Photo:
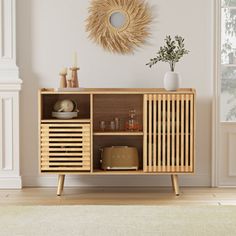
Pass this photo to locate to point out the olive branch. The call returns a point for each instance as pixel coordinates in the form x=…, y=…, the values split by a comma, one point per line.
x=171, y=52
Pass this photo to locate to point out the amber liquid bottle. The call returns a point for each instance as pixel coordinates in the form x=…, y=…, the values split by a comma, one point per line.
x=132, y=123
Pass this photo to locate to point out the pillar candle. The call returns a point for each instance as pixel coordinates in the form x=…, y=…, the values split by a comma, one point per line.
x=75, y=59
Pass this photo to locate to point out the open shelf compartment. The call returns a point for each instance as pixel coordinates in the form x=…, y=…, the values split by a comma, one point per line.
x=108, y=141
x=48, y=101
x=106, y=107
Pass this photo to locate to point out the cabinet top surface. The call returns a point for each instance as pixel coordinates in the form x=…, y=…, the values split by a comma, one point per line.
x=113, y=91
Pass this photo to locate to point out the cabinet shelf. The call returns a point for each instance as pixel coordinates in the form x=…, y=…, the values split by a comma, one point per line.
x=65, y=120
x=185, y=171
x=118, y=133
x=118, y=172
x=170, y=134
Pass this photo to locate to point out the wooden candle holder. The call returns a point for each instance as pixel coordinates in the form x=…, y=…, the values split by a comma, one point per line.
x=74, y=77
x=63, y=83
x=69, y=83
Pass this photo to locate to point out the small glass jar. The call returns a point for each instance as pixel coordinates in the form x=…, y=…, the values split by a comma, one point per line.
x=102, y=125
x=112, y=125
x=117, y=123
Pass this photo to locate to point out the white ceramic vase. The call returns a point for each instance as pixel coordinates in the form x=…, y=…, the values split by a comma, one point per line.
x=171, y=81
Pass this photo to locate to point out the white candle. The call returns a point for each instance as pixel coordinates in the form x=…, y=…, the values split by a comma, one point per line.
x=75, y=59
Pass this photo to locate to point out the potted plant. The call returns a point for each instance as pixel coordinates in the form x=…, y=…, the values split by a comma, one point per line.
x=171, y=52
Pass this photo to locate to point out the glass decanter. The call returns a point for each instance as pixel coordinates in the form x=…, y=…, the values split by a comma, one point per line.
x=132, y=124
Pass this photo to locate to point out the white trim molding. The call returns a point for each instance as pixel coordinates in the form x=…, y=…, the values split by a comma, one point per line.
x=216, y=76
x=227, y=158
x=231, y=154
x=223, y=133
x=10, y=86
x=8, y=68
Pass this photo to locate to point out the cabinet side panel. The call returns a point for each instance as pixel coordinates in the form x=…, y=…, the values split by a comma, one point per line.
x=91, y=131
x=39, y=129
x=191, y=131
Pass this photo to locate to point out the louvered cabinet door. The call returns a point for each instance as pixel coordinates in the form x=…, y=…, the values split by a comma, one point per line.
x=168, y=145
x=65, y=147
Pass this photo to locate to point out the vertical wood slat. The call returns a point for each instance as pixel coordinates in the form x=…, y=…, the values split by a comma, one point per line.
x=150, y=135
x=168, y=133
x=177, y=132
x=91, y=132
x=145, y=99
x=173, y=133
x=186, y=132
x=191, y=132
x=159, y=132
x=163, y=157
x=154, y=133
x=182, y=133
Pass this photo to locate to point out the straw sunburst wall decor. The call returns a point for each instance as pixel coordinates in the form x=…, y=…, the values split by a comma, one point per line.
x=119, y=26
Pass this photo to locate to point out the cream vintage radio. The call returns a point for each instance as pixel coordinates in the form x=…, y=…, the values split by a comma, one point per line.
x=119, y=158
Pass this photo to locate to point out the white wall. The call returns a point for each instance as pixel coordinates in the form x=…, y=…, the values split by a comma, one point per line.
x=49, y=31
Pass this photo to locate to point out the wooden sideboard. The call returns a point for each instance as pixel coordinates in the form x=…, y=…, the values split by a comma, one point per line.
x=165, y=141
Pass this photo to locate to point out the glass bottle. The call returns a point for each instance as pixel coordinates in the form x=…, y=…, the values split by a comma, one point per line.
x=132, y=123
x=117, y=124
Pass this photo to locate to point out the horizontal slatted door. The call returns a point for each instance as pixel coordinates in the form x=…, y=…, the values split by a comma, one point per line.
x=169, y=133
x=65, y=147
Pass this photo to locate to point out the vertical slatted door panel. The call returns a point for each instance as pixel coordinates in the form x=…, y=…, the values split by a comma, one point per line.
x=65, y=147
x=169, y=133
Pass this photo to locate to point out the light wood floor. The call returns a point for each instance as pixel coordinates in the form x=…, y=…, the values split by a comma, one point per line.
x=119, y=196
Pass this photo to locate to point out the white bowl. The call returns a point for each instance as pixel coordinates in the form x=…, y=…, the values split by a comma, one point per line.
x=65, y=115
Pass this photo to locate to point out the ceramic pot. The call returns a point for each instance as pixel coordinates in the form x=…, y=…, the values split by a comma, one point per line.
x=171, y=81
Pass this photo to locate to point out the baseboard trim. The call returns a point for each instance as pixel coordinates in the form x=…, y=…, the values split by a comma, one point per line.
x=10, y=182
x=116, y=181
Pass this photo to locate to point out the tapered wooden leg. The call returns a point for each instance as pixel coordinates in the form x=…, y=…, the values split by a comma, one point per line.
x=60, y=185
x=172, y=181
x=175, y=184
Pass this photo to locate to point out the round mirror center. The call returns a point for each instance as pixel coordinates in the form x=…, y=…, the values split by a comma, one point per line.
x=118, y=19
